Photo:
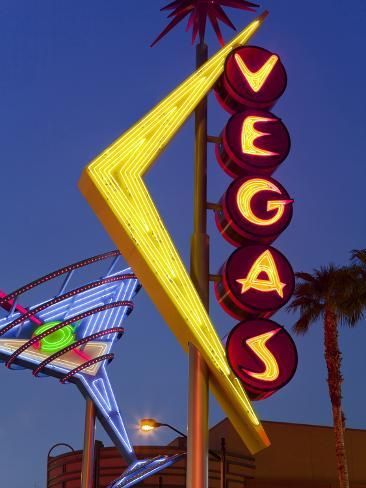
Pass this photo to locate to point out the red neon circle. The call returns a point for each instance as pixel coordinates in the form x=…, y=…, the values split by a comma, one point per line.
x=238, y=291
x=241, y=221
x=253, y=142
x=262, y=355
x=246, y=81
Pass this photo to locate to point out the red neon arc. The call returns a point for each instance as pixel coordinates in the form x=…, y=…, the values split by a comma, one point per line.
x=83, y=366
x=61, y=298
x=72, y=347
x=69, y=321
x=55, y=274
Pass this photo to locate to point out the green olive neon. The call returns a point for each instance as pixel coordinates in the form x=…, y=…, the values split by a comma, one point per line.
x=57, y=340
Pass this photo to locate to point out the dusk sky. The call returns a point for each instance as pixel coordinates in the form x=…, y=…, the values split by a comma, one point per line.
x=75, y=74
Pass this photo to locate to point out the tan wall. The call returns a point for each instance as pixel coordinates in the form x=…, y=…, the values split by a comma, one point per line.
x=299, y=453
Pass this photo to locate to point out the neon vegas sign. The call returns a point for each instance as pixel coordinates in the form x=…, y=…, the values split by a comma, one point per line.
x=257, y=279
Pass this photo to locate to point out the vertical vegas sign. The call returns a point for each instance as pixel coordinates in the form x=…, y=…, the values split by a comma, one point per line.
x=257, y=279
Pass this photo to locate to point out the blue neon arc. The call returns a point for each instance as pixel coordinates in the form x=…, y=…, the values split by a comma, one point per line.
x=98, y=307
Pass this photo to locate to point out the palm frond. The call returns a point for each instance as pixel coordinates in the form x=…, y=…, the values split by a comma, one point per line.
x=359, y=255
x=308, y=317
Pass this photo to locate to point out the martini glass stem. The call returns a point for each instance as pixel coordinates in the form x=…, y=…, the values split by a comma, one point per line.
x=87, y=472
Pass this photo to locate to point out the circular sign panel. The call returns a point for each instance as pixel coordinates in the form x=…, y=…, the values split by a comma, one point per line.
x=254, y=209
x=253, y=77
x=253, y=142
x=262, y=355
x=255, y=281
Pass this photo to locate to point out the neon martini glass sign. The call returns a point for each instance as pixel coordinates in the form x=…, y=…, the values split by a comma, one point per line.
x=71, y=337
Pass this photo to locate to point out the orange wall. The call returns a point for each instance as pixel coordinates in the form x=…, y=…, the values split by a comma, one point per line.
x=299, y=452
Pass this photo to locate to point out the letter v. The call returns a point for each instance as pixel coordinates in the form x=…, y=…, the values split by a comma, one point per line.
x=256, y=79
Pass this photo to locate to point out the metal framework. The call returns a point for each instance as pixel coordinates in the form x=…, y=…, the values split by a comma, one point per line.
x=70, y=337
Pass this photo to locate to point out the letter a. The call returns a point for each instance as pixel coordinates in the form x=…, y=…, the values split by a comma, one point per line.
x=264, y=264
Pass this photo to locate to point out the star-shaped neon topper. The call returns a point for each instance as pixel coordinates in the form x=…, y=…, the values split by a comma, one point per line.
x=199, y=11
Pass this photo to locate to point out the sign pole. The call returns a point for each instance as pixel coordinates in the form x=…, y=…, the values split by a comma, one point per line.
x=197, y=447
x=87, y=471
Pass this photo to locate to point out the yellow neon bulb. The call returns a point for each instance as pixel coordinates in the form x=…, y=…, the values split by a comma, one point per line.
x=249, y=134
x=256, y=79
x=113, y=185
x=259, y=346
x=264, y=264
x=249, y=190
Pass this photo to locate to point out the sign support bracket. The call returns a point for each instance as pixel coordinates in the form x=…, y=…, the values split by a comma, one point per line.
x=198, y=397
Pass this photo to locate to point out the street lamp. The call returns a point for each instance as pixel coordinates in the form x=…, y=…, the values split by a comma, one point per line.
x=148, y=425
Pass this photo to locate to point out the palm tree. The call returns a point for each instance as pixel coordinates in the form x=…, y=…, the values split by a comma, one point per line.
x=359, y=256
x=336, y=295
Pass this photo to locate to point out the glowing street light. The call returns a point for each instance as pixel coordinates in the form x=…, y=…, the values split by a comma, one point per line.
x=148, y=425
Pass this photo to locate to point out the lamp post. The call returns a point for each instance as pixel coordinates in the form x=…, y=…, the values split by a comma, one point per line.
x=148, y=425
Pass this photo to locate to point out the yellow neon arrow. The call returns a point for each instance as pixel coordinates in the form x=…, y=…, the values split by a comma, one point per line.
x=114, y=187
x=259, y=346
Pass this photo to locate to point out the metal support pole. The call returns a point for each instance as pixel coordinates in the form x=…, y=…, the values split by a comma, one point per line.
x=197, y=446
x=87, y=471
x=223, y=464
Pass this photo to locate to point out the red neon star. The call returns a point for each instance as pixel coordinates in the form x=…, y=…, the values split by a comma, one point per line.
x=199, y=11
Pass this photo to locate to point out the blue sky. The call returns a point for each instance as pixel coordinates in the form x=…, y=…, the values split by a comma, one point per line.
x=74, y=76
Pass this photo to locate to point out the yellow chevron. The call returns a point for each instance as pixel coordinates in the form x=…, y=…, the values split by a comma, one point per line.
x=113, y=185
